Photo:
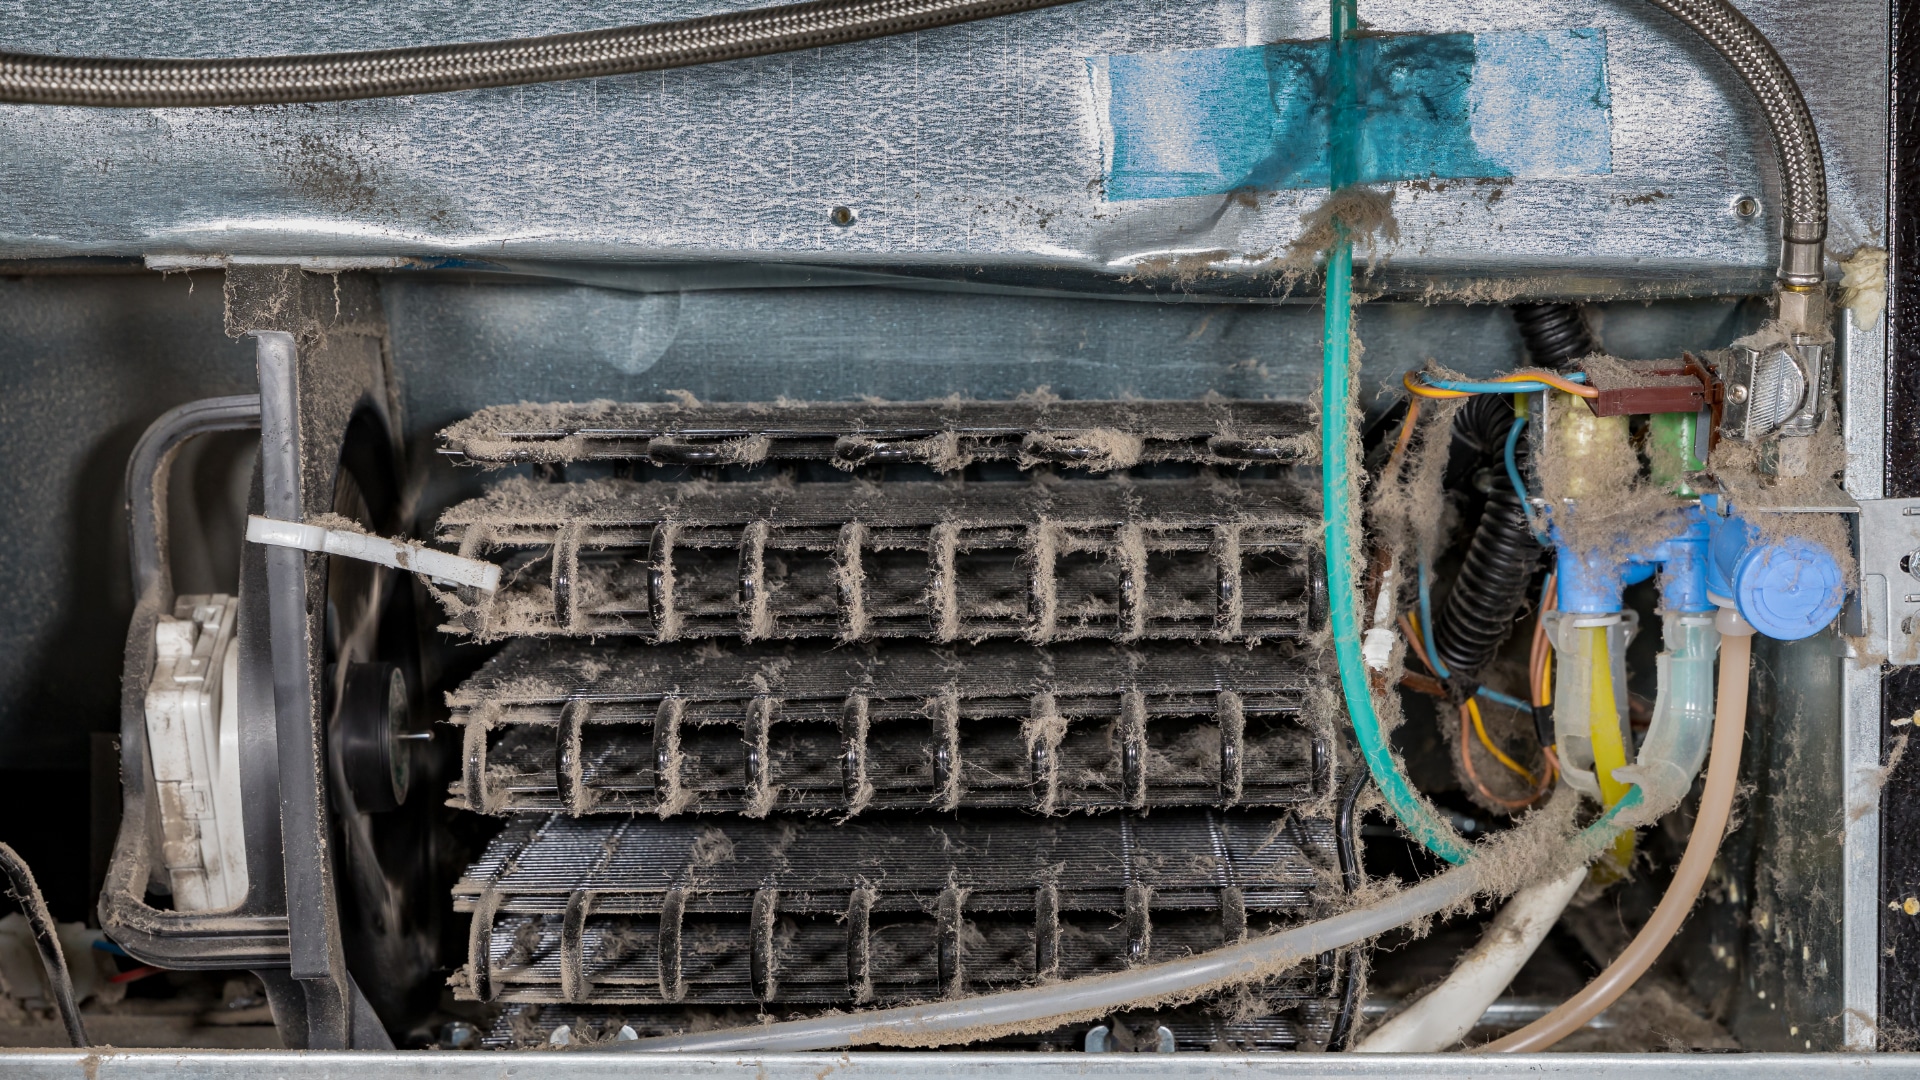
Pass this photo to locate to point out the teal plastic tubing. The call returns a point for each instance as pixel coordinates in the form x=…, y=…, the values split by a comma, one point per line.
x=1336, y=480
x=1414, y=813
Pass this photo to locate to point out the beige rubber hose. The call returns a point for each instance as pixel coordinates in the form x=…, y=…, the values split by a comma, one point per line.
x=1716, y=805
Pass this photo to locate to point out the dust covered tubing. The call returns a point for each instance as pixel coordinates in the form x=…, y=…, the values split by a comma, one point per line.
x=28, y=78
x=35, y=79
x=1041, y=1008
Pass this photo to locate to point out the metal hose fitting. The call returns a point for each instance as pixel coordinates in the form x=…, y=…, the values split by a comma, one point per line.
x=32, y=79
x=1803, y=171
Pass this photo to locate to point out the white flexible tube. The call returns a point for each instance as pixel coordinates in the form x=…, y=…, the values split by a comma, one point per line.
x=443, y=567
x=1447, y=1012
x=1043, y=1008
x=1709, y=828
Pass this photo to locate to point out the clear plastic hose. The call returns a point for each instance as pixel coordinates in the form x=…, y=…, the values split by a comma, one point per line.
x=1716, y=806
x=1043, y=1008
x=1682, y=723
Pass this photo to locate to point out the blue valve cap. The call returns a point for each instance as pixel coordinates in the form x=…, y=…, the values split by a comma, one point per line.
x=1790, y=589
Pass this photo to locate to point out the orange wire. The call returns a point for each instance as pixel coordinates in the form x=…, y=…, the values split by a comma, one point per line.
x=1542, y=649
x=1419, y=388
x=1413, y=642
x=1486, y=740
x=1406, y=435
x=1466, y=762
x=1555, y=381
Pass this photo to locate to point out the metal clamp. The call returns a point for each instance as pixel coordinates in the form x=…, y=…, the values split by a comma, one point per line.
x=1890, y=578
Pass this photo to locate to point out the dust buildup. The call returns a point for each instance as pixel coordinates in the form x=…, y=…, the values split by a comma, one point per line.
x=1655, y=1015
x=1538, y=847
x=1409, y=505
x=621, y=940
x=1043, y=730
x=1095, y=449
x=711, y=848
x=1367, y=215
x=1590, y=476
x=1753, y=492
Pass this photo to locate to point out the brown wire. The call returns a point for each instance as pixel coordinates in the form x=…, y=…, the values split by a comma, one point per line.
x=1547, y=775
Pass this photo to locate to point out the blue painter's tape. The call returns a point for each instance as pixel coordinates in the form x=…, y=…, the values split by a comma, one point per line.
x=1212, y=121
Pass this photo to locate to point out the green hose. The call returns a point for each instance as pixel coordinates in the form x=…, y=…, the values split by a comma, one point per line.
x=1413, y=812
x=1336, y=495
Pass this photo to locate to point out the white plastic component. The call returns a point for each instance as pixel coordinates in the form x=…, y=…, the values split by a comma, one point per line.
x=23, y=977
x=1376, y=648
x=193, y=741
x=1376, y=645
x=439, y=566
x=1448, y=1011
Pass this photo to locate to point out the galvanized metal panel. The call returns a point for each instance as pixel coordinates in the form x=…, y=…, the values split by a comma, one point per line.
x=966, y=151
x=221, y=1065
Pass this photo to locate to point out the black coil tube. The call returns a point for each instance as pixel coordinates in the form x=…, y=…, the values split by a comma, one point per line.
x=1478, y=614
x=1555, y=333
x=24, y=890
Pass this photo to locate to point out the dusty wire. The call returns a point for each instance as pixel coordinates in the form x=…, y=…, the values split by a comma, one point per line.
x=46, y=936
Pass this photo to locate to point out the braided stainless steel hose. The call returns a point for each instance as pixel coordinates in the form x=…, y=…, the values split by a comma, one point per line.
x=1803, y=171
x=28, y=78
x=33, y=79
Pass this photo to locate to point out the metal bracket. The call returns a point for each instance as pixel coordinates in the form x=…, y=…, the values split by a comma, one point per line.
x=1890, y=578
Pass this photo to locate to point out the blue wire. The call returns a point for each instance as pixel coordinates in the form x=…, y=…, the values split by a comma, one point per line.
x=1519, y=485
x=105, y=946
x=1426, y=626
x=1500, y=387
x=1433, y=654
x=1508, y=700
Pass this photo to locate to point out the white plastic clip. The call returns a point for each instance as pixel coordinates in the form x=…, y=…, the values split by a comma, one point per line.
x=439, y=566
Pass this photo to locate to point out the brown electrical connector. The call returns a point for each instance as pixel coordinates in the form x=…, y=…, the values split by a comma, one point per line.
x=1716, y=395
x=1637, y=387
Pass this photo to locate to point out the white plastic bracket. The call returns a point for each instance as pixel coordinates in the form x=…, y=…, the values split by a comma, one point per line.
x=439, y=566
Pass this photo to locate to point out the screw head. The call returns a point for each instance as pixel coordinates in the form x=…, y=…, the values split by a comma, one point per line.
x=1737, y=393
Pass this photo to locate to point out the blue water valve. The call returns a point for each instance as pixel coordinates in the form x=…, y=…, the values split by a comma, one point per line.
x=1788, y=589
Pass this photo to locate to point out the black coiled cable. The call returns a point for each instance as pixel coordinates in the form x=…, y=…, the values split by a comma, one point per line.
x=1555, y=334
x=1491, y=587
x=1478, y=614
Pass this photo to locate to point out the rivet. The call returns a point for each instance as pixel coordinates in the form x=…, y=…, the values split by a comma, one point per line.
x=842, y=216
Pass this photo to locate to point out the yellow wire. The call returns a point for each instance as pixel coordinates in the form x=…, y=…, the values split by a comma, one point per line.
x=1421, y=389
x=1480, y=729
x=1609, y=745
